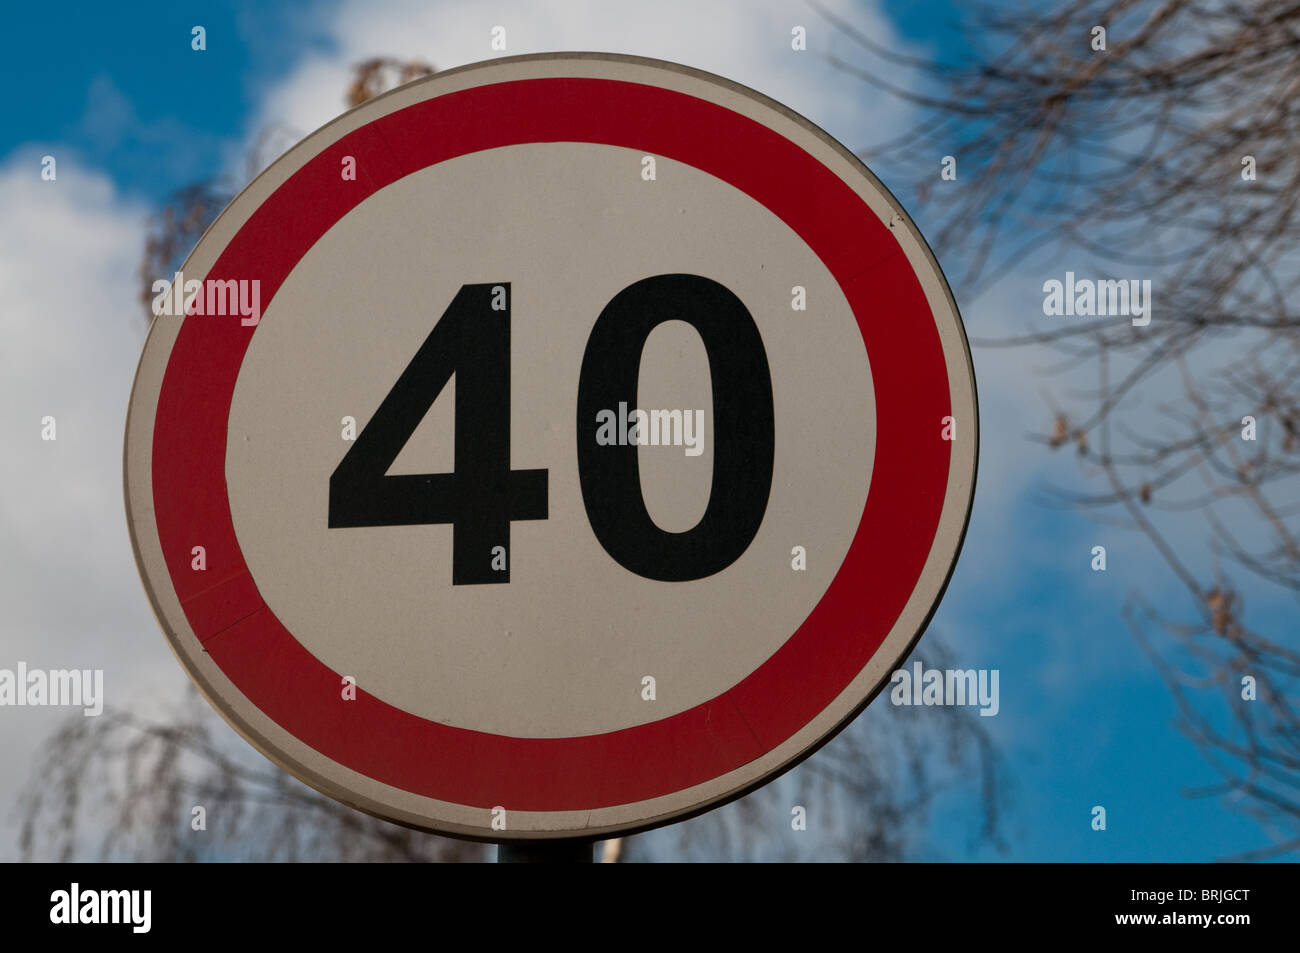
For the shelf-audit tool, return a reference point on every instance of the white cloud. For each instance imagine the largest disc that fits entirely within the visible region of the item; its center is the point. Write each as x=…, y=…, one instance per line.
x=746, y=42
x=72, y=334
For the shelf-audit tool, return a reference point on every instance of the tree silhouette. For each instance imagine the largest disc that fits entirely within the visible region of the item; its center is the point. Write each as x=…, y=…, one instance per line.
x=126, y=787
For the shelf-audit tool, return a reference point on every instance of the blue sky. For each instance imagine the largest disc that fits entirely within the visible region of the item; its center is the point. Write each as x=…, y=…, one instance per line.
x=133, y=113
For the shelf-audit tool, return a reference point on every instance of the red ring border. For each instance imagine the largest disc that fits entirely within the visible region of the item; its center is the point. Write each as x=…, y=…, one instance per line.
x=899, y=522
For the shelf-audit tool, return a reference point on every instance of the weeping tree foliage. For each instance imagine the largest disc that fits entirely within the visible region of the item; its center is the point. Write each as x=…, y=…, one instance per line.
x=123, y=786
x=182, y=786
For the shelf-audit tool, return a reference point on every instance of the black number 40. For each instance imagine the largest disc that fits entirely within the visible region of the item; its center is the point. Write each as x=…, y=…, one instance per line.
x=482, y=496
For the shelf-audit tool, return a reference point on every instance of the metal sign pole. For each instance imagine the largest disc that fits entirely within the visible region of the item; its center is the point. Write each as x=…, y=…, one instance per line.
x=547, y=852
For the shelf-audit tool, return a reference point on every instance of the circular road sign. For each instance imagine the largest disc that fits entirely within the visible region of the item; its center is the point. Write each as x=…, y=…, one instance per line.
x=558, y=446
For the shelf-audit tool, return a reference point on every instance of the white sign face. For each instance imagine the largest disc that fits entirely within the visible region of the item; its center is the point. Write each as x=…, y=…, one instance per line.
x=554, y=447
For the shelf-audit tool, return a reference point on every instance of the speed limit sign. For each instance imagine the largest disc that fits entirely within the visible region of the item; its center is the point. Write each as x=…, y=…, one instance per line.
x=554, y=447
